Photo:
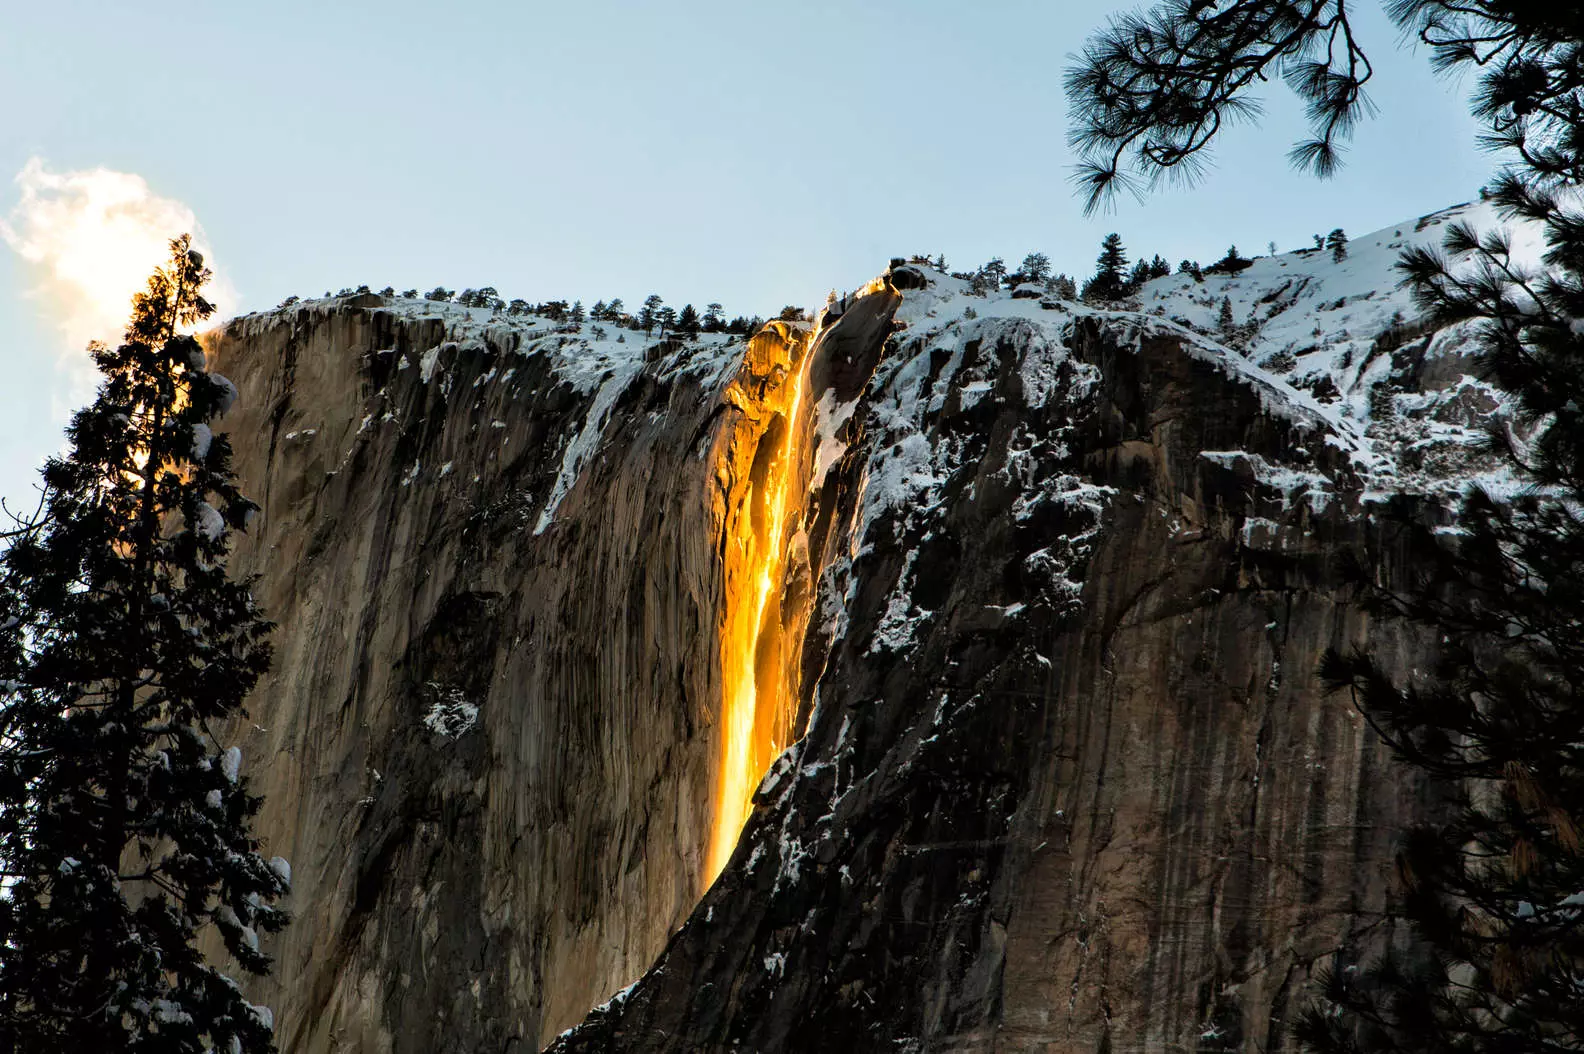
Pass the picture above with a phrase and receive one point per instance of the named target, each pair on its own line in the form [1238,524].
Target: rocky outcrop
[1069,782]
[492,552]
[1051,612]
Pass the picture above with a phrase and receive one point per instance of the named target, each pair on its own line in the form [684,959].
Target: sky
[753,154]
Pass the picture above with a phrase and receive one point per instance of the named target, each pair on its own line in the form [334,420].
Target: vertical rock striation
[1043,623]
[495,557]
[1068,781]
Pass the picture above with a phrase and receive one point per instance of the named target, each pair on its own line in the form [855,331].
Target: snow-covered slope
[1347,333]
[1070,569]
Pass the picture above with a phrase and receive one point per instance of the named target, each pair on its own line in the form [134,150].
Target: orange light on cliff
[758,704]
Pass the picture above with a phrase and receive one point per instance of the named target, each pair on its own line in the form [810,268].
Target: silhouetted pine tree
[1036,267]
[1494,957]
[1337,242]
[687,322]
[1109,281]
[1495,895]
[1062,287]
[124,826]
[649,314]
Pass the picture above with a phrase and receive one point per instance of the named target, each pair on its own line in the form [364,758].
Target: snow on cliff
[1330,344]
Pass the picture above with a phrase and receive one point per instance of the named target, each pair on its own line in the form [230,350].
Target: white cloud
[90,240]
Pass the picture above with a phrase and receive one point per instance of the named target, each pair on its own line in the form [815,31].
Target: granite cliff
[1019,602]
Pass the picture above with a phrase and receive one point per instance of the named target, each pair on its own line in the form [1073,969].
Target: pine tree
[124,822]
[1036,267]
[713,322]
[1225,322]
[1337,242]
[1109,281]
[1494,895]
[650,314]
[1158,267]
[614,309]
[667,318]
[995,271]
[1062,287]
[687,322]
[577,314]
[597,312]
[1492,959]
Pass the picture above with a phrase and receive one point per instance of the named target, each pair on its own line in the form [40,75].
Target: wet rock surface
[1067,781]
[486,742]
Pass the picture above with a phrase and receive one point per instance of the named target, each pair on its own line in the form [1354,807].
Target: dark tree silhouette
[1337,242]
[1493,959]
[125,824]
[1151,92]
[1109,281]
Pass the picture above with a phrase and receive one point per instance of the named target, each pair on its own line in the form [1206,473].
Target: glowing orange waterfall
[759,698]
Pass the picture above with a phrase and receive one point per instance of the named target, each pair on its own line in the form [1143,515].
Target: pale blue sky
[749,153]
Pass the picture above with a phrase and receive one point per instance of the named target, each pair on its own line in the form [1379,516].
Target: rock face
[1069,782]
[1050,614]
[491,554]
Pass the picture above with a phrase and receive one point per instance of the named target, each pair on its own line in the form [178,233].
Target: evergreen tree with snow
[1337,242]
[614,309]
[1109,281]
[576,315]
[439,294]
[687,322]
[1489,952]
[1225,322]
[1036,267]
[597,312]
[125,821]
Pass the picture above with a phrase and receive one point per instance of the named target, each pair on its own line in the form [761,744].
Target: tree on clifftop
[124,822]
[650,313]
[1109,281]
[1337,242]
[1492,892]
